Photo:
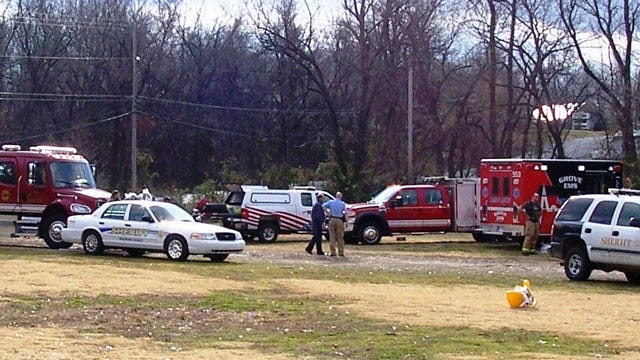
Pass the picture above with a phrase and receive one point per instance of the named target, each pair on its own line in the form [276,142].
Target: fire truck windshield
[72,174]
[384,195]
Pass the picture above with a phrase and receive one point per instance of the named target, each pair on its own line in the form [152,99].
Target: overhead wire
[213,129]
[46,20]
[67,129]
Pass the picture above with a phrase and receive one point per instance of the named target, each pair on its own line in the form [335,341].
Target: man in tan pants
[337,209]
[532,211]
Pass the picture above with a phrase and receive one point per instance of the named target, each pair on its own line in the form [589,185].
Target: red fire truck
[47,184]
[482,206]
[508,182]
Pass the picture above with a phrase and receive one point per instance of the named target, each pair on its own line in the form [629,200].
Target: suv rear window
[574,209]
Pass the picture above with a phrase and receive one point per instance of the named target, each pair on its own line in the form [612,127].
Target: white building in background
[585,120]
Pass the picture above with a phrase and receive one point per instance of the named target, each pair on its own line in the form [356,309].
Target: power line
[237,108]
[68,129]
[57,97]
[88,58]
[213,129]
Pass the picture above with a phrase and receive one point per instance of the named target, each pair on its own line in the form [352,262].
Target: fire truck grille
[225,236]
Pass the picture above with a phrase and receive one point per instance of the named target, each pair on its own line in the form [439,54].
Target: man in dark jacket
[532,211]
[317,219]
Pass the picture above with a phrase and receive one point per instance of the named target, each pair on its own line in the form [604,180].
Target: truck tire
[52,227]
[248,236]
[369,233]
[577,266]
[479,237]
[268,232]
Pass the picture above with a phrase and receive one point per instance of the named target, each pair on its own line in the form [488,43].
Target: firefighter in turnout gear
[532,211]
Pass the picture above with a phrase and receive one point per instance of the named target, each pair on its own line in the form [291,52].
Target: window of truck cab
[36,173]
[7,173]
[71,174]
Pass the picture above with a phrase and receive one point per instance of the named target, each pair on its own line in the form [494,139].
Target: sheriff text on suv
[599,232]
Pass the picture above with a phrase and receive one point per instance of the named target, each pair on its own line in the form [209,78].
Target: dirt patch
[610,318]
[485,307]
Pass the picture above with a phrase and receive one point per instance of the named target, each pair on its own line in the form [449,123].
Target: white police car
[138,226]
[599,232]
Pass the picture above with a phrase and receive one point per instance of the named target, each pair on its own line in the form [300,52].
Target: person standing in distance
[317,219]
[532,212]
[337,209]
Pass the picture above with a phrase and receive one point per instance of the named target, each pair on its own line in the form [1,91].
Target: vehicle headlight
[80,209]
[203,236]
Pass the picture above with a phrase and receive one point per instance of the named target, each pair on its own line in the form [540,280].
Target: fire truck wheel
[218,257]
[52,237]
[577,266]
[369,234]
[267,232]
[176,248]
[92,243]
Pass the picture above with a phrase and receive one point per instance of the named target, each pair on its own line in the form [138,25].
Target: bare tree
[548,72]
[613,22]
[346,80]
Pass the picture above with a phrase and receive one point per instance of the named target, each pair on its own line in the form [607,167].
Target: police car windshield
[72,175]
[384,195]
[170,212]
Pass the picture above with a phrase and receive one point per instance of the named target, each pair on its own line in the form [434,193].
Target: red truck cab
[49,183]
[399,209]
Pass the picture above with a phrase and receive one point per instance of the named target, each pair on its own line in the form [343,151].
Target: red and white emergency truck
[47,183]
[508,182]
[482,206]
[441,205]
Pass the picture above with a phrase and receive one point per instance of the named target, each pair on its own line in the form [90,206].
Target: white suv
[599,232]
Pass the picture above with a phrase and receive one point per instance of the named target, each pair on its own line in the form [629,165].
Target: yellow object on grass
[521,296]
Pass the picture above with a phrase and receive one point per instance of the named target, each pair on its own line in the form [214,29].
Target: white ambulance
[256,210]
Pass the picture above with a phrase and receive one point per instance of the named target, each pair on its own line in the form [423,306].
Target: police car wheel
[577,266]
[52,229]
[176,248]
[218,257]
[92,243]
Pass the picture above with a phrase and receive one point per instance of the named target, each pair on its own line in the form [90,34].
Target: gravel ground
[389,255]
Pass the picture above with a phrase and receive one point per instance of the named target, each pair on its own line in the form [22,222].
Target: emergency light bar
[11,147]
[614,191]
[54,150]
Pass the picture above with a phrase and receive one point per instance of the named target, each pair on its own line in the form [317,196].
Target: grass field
[429,297]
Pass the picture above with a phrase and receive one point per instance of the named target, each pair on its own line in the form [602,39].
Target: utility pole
[410,176]
[134,94]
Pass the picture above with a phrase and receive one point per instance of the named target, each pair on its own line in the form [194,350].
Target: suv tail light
[244,213]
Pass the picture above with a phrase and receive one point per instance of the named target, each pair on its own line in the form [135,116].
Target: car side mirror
[397,201]
[635,222]
[147,218]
